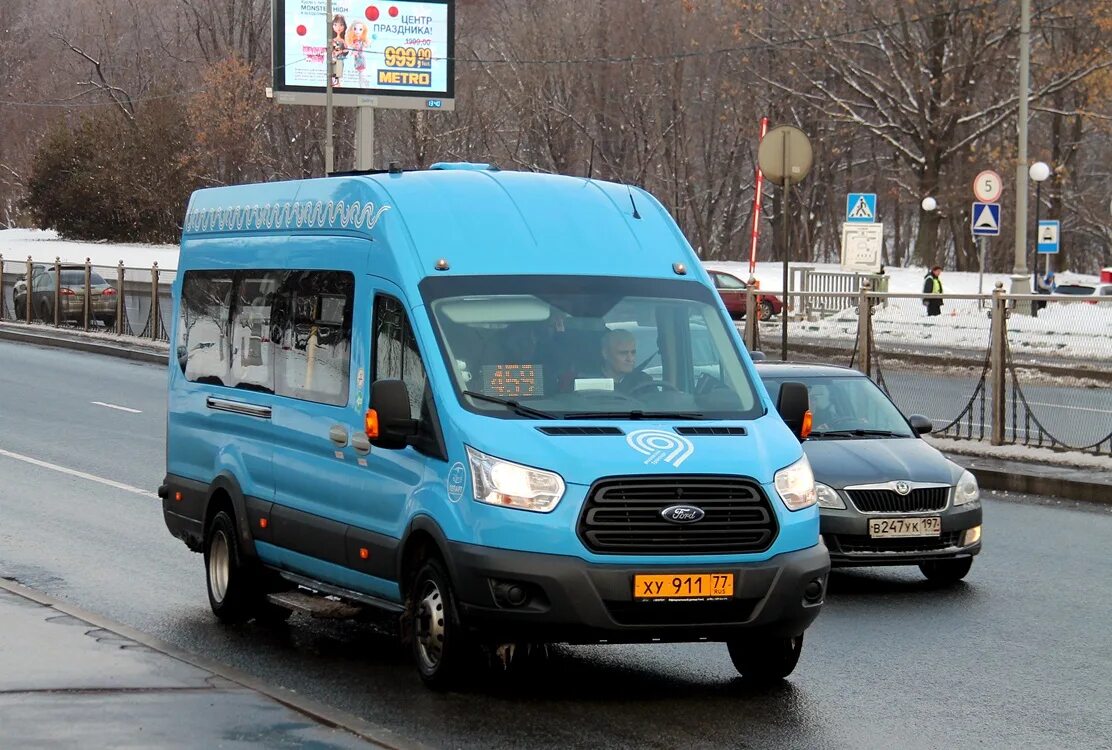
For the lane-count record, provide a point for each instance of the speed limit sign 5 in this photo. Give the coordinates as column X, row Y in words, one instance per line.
column 987, row 186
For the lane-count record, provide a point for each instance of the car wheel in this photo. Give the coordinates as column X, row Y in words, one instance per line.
column 762, row 661
column 441, row 647
column 946, row 571
column 766, row 310
column 231, row 590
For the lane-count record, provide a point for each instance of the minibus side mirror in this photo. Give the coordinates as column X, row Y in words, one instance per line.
column 922, row 425
column 388, row 417
column 793, row 406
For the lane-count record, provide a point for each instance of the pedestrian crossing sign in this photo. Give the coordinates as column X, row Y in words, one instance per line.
column 861, row 208
column 985, row 218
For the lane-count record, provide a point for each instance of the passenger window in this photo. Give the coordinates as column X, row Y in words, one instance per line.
column 203, row 342
column 252, row 358
column 312, row 326
column 396, row 354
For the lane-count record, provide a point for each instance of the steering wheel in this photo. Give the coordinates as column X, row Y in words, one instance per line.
column 661, row 386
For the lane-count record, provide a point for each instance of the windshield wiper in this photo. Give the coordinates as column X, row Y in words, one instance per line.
column 634, row 414
column 857, row 433
column 518, row 408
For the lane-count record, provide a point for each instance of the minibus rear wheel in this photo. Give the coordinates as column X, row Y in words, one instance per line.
column 441, row 647
column 231, row 592
column 765, row 660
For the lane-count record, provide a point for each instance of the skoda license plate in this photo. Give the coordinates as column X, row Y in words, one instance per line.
column 880, row 528
column 684, row 586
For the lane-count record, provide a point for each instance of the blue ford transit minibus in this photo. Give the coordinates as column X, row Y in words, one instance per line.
column 508, row 407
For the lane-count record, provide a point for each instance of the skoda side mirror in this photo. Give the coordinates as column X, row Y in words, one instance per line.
column 757, row 355
column 922, row 425
column 388, row 423
column 794, row 408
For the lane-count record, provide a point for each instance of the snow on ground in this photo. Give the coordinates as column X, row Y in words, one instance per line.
column 44, row 247
column 1024, row 453
column 1073, row 331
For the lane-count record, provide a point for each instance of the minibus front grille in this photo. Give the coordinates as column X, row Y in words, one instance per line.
column 622, row 516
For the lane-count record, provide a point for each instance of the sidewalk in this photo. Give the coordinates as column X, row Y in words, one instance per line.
column 70, row 679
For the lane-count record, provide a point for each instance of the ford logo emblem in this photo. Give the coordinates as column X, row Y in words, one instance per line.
column 682, row 514
column 903, row 488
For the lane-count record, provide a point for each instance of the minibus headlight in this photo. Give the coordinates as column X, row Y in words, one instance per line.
column 796, row 485
column 967, row 490
column 828, row 497
column 505, row 483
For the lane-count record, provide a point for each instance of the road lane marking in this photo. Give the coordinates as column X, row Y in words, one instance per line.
column 114, row 406
column 79, row 474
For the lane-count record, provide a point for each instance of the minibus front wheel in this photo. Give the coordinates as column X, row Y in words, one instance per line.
column 441, row 646
column 763, row 661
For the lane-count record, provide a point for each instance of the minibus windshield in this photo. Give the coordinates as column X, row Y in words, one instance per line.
column 588, row 347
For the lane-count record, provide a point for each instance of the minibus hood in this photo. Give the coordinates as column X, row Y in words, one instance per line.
column 643, row 447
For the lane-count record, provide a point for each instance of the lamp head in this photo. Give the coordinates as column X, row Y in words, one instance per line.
column 1039, row 171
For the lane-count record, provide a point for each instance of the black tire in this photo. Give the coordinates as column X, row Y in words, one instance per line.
column 764, row 661
column 232, row 592
column 766, row 310
column 442, row 649
column 946, row 571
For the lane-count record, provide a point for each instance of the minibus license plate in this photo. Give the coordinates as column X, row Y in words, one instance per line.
column 684, row 586
column 880, row 528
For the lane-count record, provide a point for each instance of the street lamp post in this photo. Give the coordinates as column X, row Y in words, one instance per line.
column 1038, row 172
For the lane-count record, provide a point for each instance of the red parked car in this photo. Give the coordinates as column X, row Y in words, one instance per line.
column 732, row 290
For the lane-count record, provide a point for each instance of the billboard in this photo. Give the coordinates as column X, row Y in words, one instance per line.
column 397, row 53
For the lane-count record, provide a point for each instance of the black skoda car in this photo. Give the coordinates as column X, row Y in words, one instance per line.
column 886, row 496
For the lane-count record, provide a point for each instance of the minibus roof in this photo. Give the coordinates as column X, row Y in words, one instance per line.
column 479, row 219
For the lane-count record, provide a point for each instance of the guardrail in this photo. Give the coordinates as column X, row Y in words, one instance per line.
column 130, row 301
column 988, row 367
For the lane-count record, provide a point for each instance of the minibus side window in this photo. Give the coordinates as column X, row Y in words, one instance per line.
column 203, row 345
column 312, row 325
column 397, row 357
column 252, row 356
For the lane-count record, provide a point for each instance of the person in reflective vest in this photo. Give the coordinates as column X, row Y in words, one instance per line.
column 932, row 284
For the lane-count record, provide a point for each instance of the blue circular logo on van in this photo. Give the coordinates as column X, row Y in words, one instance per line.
column 682, row 514
column 457, row 481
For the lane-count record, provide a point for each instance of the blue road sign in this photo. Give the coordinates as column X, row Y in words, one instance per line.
column 861, row 207
column 985, row 218
column 1047, row 238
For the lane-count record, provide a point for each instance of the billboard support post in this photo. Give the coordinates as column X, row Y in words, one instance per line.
column 329, row 164
column 364, row 138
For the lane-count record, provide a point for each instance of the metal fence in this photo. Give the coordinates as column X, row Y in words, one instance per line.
column 983, row 369
column 107, row 299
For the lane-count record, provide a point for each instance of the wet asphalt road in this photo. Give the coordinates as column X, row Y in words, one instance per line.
column 1018, row 656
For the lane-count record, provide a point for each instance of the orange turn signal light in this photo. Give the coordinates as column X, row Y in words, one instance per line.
column 177, row 497
column 805, row 430
column 262, row 523
column 364, row 553
column 370, row 424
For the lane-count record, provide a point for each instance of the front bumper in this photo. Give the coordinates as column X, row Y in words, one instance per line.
column 846, row 534
column 569, row 600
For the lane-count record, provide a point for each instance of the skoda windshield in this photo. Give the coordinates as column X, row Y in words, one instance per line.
column 586, row 347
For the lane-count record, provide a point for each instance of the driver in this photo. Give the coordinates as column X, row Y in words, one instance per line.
column 619, row 358
column 823, row 411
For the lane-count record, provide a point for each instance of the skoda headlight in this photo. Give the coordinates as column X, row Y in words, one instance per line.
column 499, row 482
column 828, row 497
column 967, row 490
column 796, row 485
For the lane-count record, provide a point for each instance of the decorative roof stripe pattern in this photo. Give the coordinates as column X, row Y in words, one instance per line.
column 286, row 215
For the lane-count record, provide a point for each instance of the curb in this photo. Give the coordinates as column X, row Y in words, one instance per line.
column 1034, row 479
column 8, row 333
column 318, row 712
